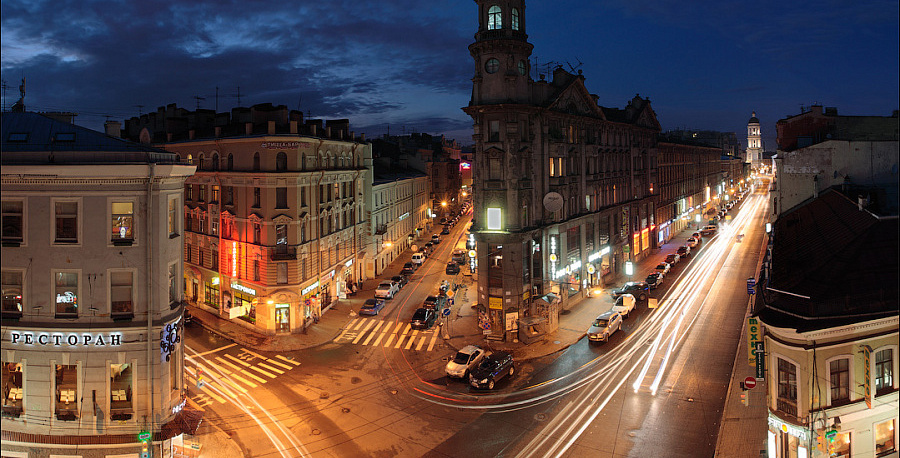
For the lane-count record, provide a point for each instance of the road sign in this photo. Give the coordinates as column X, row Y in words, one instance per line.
column 446, row 312
column 750, row 382
column 760, row 360
column 486, row 332
column 751, row 282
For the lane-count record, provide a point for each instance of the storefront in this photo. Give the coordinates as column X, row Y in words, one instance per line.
column 786, row 440
column 282, row 318
column 309, row 303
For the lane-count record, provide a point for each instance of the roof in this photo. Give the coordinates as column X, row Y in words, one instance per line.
column 753, row 119
column 831, row 264
column 27, row 137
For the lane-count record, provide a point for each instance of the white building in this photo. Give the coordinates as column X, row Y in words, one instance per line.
column 754, row 142
column 92, row 298
column 398, row 212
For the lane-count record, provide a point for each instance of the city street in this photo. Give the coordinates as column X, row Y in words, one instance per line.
column 378, row 388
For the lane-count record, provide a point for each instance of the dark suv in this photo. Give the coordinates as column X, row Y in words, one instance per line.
column 639, row 289
column 408, row 269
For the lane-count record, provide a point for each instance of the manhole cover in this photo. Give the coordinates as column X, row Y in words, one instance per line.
column 556, row 342
column 323, row 395
column 540, row 417
column 345, row 410
column 316, row 432
column 355, row 380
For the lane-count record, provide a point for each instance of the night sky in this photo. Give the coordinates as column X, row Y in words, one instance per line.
column 405, row 65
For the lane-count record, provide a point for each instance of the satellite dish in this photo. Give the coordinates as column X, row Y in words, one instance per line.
column 553, row 202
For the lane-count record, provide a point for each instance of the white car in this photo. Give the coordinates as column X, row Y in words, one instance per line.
column 466, row 358
column 386, row 290
column 624, row 305
column 663, row 268
column 604, row 326
column 692, row 242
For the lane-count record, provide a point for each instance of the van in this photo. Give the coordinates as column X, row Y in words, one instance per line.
column 418, row 258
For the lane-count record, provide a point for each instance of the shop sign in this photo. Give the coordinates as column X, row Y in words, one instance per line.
column 796, row 431
column 348, row 263
column 867, row 378
column 215, row 280
column 243, row 289
column 495, row 303
column 511, row 320
column 754, row 335
column 180, row 406
column 327, row 277
column 71, row 339
column 309, row 288
column 280, row 145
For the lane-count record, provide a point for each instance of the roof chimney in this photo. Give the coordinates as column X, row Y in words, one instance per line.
column 113, row 128
column 271, row 127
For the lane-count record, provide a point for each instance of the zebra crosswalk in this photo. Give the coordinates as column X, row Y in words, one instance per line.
column 218, row 377
column 387, row 334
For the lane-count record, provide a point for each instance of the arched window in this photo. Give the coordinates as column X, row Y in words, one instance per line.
column 230, row 164
column 200, row 162
column 494, row 20
column 215, row 161
column 515, row 19
column 256, row 161
column 281, row 161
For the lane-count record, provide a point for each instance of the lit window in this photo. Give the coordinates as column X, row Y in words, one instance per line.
column 172, row 218
column 495, row 21
column 12, row 292
column 884, row 437
column 67, row 392
column 66, row 294
column 884, row 368
column 493, row 219
column 122, row 223
column 515, row 19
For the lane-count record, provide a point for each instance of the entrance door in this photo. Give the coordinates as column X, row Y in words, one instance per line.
column 194, row 291
column 282, row 318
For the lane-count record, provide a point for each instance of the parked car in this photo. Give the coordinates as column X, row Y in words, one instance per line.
column 466, row 359
column 435, row 239
column 188, row 318
column 604, row 326
column 371, row 307
column 673, row 259
column 698, row 236
column 459, row 256
column 408, row 269
column 692, row 242
column 386, row 290
column 663, row 267
column 418, row 258
column 709, row 230
column 492, row 368
column 654, row 280
column 452, row 268
column 428, row 247
column 435, row 302
column 624, row 305
column 423, row 318
column 400, row 280
column 638, row 289
column 683, row 251
column 445, row 230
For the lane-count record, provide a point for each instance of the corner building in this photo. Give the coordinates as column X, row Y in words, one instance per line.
column 92, row 357
column 564, row 188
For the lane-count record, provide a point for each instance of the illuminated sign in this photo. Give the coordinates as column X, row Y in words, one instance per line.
column 243, row 289
column 180, row 406
column 281, row 145
column 465, row 165
column 867, row 378
column 71, row 339
column 604, row 251
column 403, row 216
column 67, row 297
column 495, row 303
column 309, row 288
column 215, row 280
column 348, row 263
column 796, row 431
column 493, row 219
column 754, row 335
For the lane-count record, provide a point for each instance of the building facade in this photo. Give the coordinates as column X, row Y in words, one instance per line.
column 689, row 175
column 564, row 188
column 754, row 142
column 92, row 299
column 828, row 304
column 398, row 213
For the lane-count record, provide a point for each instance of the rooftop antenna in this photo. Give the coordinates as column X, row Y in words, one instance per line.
column 238, row 95
column 217, row 99
column 198, row 99
column 574, row 68
column 140, row 109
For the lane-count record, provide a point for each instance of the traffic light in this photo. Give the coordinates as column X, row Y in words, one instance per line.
column 745, row 400
column 144, row 437
column 830, row 437
column 820, row 442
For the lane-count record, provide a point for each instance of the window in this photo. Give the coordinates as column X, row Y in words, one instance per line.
column 494, row 132
column 884, row 367
column 67, row 392
column 303, row 196
column 280, row 197
column 494, row 19
column 12, row 281
column 281, row 161
column 493, row 219
column 122, row 221
column 172, row 220
column 492, row 65
column 281, row 234
column 839, row 375
column 215, row 194
column 120, row 377
column 66, row 294
column 66, row 222
column 215, row 161
column 884, row 437
column 515, row 19
column 282, row 273
column 556, row 167
column 214, row 227
column 18, row 137
column 256, row 263
column 121, row 293
column 12, row 388
column 188, row 192
column 230, row 162
column 173, row 283
column 13, row 218
column 255, row 162
column 787, row 387
column 257, row 232
column 256, row 197
column 202, row 194
column 228, row 195
column 495, row 168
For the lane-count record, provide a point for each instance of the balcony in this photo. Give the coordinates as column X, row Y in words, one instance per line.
column 283, row 253
column 381, row 229
column 787, row 406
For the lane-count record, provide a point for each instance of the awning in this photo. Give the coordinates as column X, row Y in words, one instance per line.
column 185, row 422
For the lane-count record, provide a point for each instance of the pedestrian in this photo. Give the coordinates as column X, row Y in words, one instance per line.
column 316, row 318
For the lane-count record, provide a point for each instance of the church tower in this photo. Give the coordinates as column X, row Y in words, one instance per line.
column 501, row 51
column 754, row 142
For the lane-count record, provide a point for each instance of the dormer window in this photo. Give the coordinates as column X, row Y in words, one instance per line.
column 494, row 20
column 515, row 19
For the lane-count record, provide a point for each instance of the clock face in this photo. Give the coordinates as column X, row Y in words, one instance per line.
column 522, row 67
column 492, row 65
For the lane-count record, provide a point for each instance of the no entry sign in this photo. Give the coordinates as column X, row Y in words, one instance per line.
column 749, row 382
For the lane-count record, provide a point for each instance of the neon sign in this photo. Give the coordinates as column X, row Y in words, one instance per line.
column 71, row 339
column 243, row 289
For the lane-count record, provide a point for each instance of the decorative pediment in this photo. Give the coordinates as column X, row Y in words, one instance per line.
column 494, row 152
column 227, row 214
column 575, row 99
column 254, row 217
column 282, row 219
column 647, row 118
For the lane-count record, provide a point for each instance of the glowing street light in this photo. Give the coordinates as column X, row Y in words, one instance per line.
column 443, row 203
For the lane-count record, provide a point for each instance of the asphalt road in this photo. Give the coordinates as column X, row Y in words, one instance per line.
column 656, row 389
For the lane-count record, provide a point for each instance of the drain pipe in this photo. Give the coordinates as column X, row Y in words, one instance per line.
column 150, row 378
